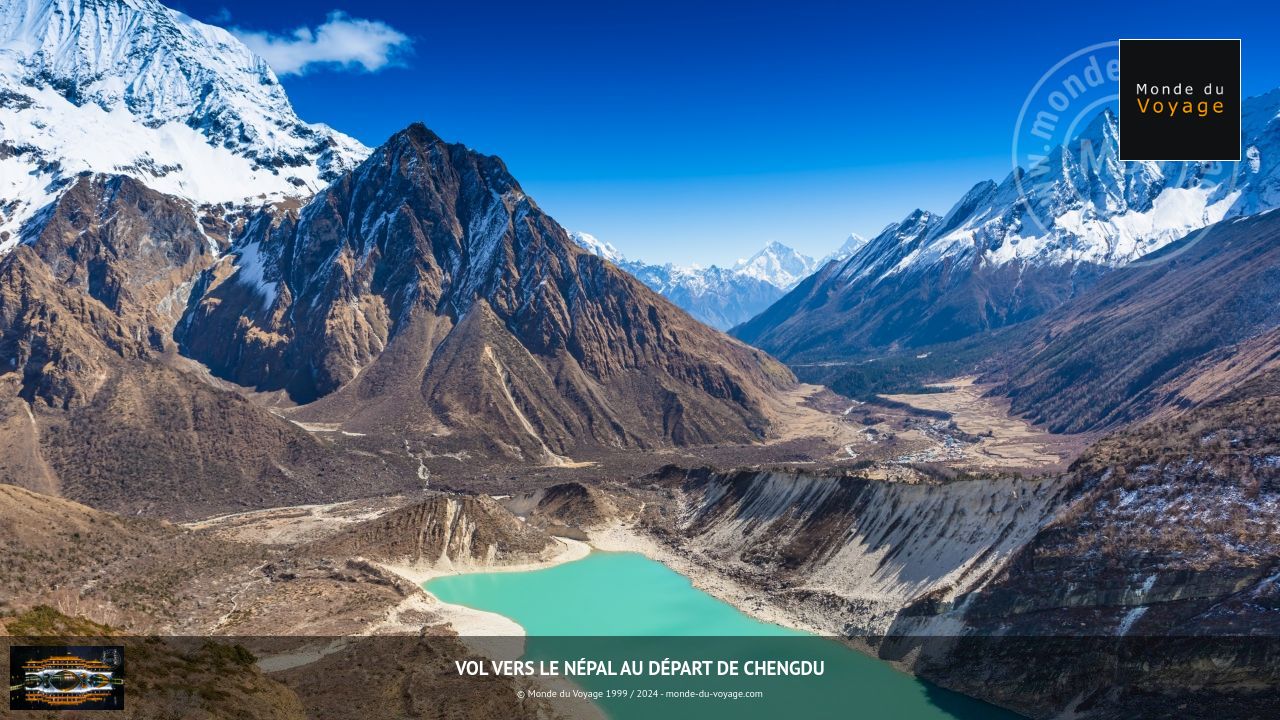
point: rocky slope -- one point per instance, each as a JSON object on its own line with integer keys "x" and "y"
{"x": 1170, "y": 332}
{"x": 132, "y": 87}
{"x": 443, "y": 532}
{"x": 1142, "y": 582}
{"x": 103, "y": 278}
{"x": 216, "y": 627}
{"x": 1010, "y": 251}
{"x": 1159, "y": 576}
{"x": 425, "y": 292}
{"x": 204, "y": 680}
{"x": 96, "y": 408}
{"x": 141, "y": 565}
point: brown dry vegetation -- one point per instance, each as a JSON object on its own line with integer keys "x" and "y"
{"x": 1141, "y": 340}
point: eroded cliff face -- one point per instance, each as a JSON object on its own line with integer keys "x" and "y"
{"x": 849, "y": 553}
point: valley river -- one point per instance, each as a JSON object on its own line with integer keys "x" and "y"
{"x": 625, "y": 607}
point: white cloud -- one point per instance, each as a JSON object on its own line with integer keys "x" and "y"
{"x": 341, "y": 41}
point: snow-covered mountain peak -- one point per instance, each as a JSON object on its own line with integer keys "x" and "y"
{"x": 113, "y": 52}
{"x": 132, "y": 87}
{"x": 852, "y": 244}
{"x": 1101, "y": 126}
{"x": 163, "y": 67}
{"x": 598, "y": 247}
{"x": 778, "y": 265}
{"x": 1080, "y": 203}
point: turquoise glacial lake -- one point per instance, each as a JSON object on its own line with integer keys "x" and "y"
{"x": 626, "y": 607}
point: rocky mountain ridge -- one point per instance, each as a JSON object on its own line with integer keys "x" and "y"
{"x": 429, "y": 258}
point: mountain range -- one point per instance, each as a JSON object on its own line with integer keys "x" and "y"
{"x": 428, "y": 286}
{"x": 214, "y": 313}
{"x": 416, "y": 291}
{"x": 192, "y": 347}
{"x": 723, "y": 297}
{"x": 1010, "y": 251}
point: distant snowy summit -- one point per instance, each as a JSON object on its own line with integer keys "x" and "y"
{"x": 777, "y": 265}
{"x": 131, "y": 87}
{"x": 723, "y": 297}
{"x": 784, "y": 267}
{"x": 852, "y": 244}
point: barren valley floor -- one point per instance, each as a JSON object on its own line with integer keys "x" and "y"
{"x": 854, "y": 520}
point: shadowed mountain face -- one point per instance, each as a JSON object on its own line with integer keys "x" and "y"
{"x": 878, "y": 299}
{"x": 426, "y": 292}
{"x": 1187, "y": 325}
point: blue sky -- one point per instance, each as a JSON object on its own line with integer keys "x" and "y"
{"x": 686, "y": 132}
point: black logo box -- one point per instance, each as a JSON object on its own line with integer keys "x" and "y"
{"x": 1189, "y": 65}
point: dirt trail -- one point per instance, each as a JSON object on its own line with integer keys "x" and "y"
{"x": 958, "y": 426}
{"x": 1002, "y": 440}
